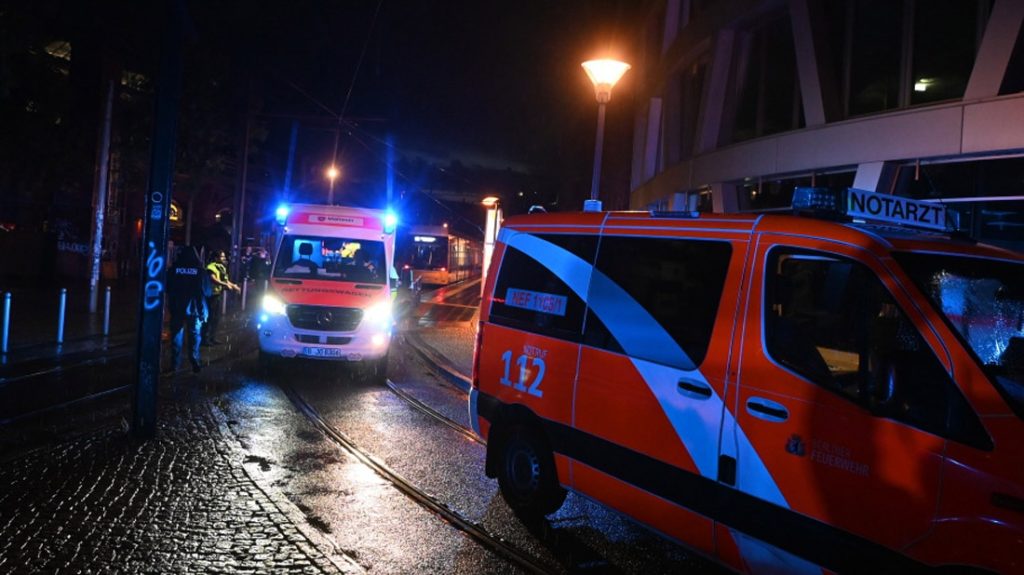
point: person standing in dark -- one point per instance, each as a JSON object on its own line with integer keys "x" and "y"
{"x": 188, "y": 287}
{"x": 217, "y": 271}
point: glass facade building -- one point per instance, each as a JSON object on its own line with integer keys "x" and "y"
{"x": 740, "y": 101}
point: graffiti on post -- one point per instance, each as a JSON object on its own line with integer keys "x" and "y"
{"x": 154, "y": 286}
{"x": 157, "y": 210}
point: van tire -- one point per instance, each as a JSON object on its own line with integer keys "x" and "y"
{"x": 526, "y": 473}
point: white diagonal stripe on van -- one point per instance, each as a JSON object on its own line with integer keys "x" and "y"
{"x": 636, "y": 330}
{"x": 695, "y": 420}
{"x": 696, "y": 428}
{"x": 569, "y": 267}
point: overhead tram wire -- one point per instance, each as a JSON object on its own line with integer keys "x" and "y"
{"x": 356, "y": 127}
{"x": 359, "y": 63}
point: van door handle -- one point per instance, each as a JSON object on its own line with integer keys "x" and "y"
{"x": 694, "y": 389}
{"x": 766, "y": 409}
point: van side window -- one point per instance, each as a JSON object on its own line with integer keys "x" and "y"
{"x": 528, "y": 295}
{"x": 678, "y": 283}
{"x": 831, "y": 320}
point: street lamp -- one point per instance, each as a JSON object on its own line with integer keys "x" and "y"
{"x": 332, "y": 174}
{"x": 604, "y": 74}
{"x": 493, "y": 222}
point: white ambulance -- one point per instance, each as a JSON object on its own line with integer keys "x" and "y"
{"x": 330, "y": 295}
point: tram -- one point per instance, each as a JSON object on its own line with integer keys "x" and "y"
{"x": 436, "y": 255}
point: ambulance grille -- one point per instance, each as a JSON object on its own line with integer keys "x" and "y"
{"x": 323, "y": 318}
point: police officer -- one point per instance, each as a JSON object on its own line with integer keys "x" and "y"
{"x": 187, "y": 290}
{"x": 217, "y": 271}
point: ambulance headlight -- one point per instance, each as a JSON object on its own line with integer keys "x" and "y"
{"x": 379, "y": 314}
{"x": 273, "y": 305}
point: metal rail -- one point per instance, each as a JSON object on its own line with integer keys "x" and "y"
{"x": 433, "y": 413}
{"x": 474, "y": 530}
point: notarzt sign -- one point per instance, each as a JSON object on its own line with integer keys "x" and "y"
{"x": 873, "y": 206}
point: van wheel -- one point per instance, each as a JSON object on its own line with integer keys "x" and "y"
{"x": 527, "y": 475}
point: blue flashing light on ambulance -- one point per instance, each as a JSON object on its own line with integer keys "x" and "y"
{"x": 783, "y": 394}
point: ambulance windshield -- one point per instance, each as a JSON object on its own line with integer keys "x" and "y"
{"x": 331, "y": 259}
{"x": 983, "y": 300}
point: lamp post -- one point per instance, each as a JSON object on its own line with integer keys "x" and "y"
{"x": 493, "y": 222}
{"x": 332, "y": 174}
{"x": 604, "y": 74}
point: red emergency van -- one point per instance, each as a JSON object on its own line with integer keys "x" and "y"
{"x": 783, "y": 394}
{"x": 331, "y": 286}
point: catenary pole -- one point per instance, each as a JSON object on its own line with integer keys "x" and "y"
{"x": 158, "y": 199}
{"x": 99, "y": 195}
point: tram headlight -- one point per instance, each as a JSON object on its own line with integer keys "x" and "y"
{"x": 273, "y": 305}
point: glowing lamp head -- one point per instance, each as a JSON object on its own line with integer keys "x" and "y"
{"x": 281, "y": 214}
{"x": 604, "y": 74}
{"x": 390, "y": 222}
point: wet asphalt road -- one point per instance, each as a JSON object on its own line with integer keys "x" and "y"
{"x": 349, "y": 511}
{"x": 370, "y": 521}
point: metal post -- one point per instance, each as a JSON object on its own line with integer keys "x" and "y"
{"x": 598, "y": 145}
{"x": 7, "y": 322}
{"x": 245, "y": 291}
{"x": 99, "y": 196}
{"x": 106, "y": 313}
{"x": 154, "y": 232}
{"x": 60, "y": 315}
{"x": 266, "y": 284}
{"x": 223, "y": 303}
{"x": 334, "y": 162}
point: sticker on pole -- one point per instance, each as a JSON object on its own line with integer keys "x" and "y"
{"x": 536, "y": 301}
{"x": 903, "y": 211}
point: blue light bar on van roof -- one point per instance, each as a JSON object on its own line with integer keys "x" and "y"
{"x": 820, "y": 200}
{"x": 281, "y": 214}
{"x": 854, "y": 203}
{"x": 674, "y": 214}
{"x": 390, "y": 222}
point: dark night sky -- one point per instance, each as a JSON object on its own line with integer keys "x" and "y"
{"x": 485, "y": 83}
{"x": 454, "y": 83}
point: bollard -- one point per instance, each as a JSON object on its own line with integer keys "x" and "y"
{"x": 245, "y": 291}
{"x": 266, "y": 284}
{"x": 106, "y": 313}
{"x": 60, "y": 315}
{"x": 411, "y": 282}
{"x": 224, "y": 303}
{"x": 7, "y": 322}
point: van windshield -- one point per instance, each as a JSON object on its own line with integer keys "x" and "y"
{"x": 330, "y": 259}
{"x": 983, "y": 300}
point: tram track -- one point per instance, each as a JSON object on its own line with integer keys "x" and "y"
{"x": 472, "y": 529}
{"x": 433, "y": 413}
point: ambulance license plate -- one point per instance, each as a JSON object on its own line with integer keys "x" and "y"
{"x": 321, "y": 352}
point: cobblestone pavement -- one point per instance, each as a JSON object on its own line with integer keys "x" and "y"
{"x": 181, "y": 503}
